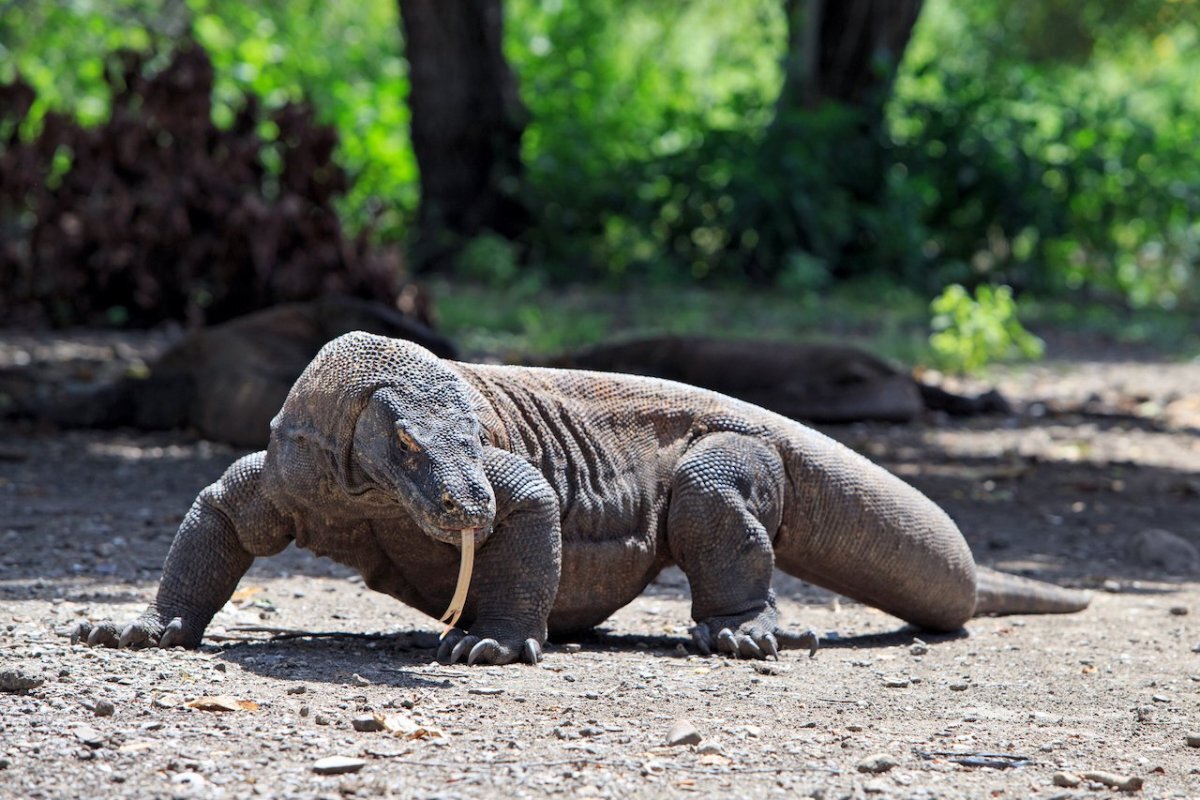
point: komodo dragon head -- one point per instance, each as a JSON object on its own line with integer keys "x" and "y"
{"x": 396, "y": 426}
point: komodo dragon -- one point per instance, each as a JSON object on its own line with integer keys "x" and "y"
{"x": 577, "y": 488}
{"x": 229, "y": 380}
{"x": 812, "y": 381}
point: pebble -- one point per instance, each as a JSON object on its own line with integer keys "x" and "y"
{"x": 321, "y": 719}
{"x": 1067, "y": 780}
{"x": 14, "y": 680}
{"x": 898, "y": 682}
{"x": 367, "y": 723}
{"x": 683, "y": 732}
{"x": 710, "y": 749}
{"x": 875, "y": 764}
{"x": 918, "y": 648}
{"x": 573, "y": 647}
{"x": 300, "y": 689}
{"x": 1126, "y": 783}
{"x": 1193, "y": 739}
{"x": 359, "y": 680}
{"x": 486, "y": 691}
{"x": 959, "y": 687}
{"x": 103, "y": 708}
{"x": 89, "y": 736}
{"x": 1160, "y": 698}
{"x": 338, "y": 765}
{"x": 1179, "y": 611}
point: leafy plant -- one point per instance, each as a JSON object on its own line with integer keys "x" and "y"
{"x": 971, "y": 332}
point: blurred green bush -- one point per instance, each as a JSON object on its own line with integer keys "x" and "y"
{"x": 1044, "y": 144}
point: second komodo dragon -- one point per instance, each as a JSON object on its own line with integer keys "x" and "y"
{"x": 577, "y": 488}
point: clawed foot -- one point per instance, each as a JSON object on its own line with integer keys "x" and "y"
{"x": 483, "y": 650}
{"x": 148, "y": 630}
{"x": 751, "y": 639}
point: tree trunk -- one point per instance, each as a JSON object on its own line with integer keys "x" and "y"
{"x": 467, "y": 121}
{"x": 844, "y": 50}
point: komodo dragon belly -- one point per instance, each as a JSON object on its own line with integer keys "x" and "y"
{"x": 395, "y": 558}
{"x": 599, "y": 577}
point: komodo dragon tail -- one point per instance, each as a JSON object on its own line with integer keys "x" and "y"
{"x": 857, "y": 529}
{"x": 1002, "y": 593}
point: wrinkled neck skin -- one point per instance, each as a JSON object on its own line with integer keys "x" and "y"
{"x": 423, "y": 451}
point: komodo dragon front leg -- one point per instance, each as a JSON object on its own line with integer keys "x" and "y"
{"x": 517, "y": 569}
{"x": 726, "y": 505}
{"x": 229, "y": 524}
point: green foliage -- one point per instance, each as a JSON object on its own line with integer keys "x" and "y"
{"x": 1044, "y": 144}
{"x": 1057, "y": 174}
{"x": 971, "y": 332}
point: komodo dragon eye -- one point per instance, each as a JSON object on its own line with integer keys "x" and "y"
{"x": 406, "y": 442}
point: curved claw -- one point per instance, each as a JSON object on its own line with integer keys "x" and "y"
{"x": 702, "y": 639}
{"x": 531, "y": 653}
{"x": 448, "y": 643}
{"x": 770, "y": 646}
{"x": 103, "y": 635}
{"x": 810, "y": 640}
{"x": 748, "y": 648}
{"x": 465, "y": 647}
{"x": 172, "y": 634}
{"x": 79, "y": 632}
{"x": 488, "y": 651}
{"x": 727, "y": 643}
{"x": 134, "y": 635}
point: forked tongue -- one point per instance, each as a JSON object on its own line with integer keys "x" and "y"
{"x": 464, "y": 581}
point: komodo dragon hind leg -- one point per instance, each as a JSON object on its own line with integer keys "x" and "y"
{"x": 726, "y": 500}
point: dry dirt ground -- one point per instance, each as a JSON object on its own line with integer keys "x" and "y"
{"x": 1101, "y": 449}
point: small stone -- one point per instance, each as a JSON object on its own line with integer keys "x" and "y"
{"x": 304, "y": 711}
{"x": 1160, "y": 698}
{"x": 683, "y": 732}
{"x": 875, "y": 764}
{"x": 1193, "y": 739}
{"x": 338, "y": 765}
{"x": 321, "y": 719}
{"x": 359, "y": 680}
{"x": 918, "y": 648}
{"x": 1067, "y": 780}
{"x": 1111, "y": 586}
{"x": 486, "y": 691}
{"x": 768, "y": 667}
{"x": 15, "y": 680}
{"x": 368, "y": 723}
{"x": 1179, "y": 611}
{"x": 959, "y": 687}
{"x": 89, "y": 736}
{"x": 1125, "y": 783}
{"x": 299, "y": 689}
{"x": 103, "y": 708}
{"x": 897, "y": 682}
{"x": 710, "y": 749}
{"x": 572, "y": 647}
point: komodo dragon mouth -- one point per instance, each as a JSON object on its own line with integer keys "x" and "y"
{"x": 465, "y": 567}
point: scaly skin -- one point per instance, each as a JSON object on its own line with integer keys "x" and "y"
{"x": 581, "y": 487}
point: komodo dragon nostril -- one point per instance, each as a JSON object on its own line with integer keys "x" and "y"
{"x": 448, "y": 503}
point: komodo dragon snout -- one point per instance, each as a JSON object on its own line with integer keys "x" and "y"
{"x": 432, "y": 465}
